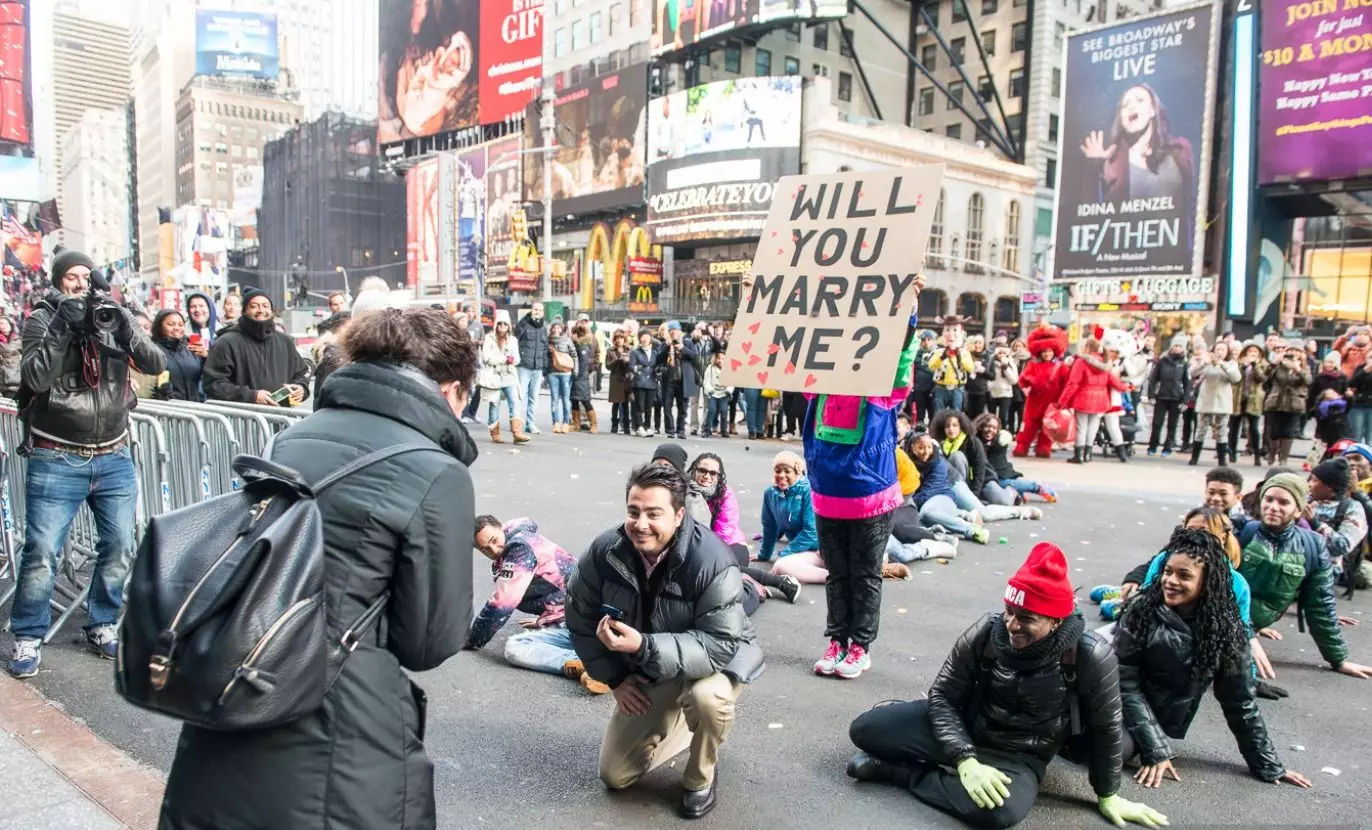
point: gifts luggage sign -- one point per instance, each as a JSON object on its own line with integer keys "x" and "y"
{"x": 832, "y": 287}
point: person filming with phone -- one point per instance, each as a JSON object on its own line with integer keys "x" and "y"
{"x": 253, "y": 362}
{"x": 74, "y": 402}
{"x": 655, "y": 610}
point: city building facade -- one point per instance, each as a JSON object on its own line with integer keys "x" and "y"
{"x": 95, "y": 184}
{"x": 220, "y": 127}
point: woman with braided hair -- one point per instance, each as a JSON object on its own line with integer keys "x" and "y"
{"x": 1180, "y": 635}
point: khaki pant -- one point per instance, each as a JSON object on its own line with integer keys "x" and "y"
{"x": 696, "y": 714}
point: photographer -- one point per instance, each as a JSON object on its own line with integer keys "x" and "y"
{"x": 75, "y": 400}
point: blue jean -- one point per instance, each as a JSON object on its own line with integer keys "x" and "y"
{"x": 560, "y": 392}
{"x": 756, "y": 411}
{"x": 545, "y": 649}
{"x": 716, "y": 414}
{"x": 56, "y": 486}
{"x": 491, "y": 397}
{"x": 1003, "y": 491}
{"x": 945, "y": 398}
{"x": 1360, "y": 423}
{"x": 529, "y": 382}
{"x": 940, "y": 510}
{"x": 965, "y": 500}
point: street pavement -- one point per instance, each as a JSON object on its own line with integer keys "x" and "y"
{"x": 513, "y": 748}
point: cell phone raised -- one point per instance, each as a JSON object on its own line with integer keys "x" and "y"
{"x": 612, "y": 612}
{"x": 282, "y": 395}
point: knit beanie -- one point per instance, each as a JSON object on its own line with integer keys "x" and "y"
{"x": 1041, "y": 584}
{"x": 1179, "y": 341}
{"x": 672, "y": 453}
{"x": 65, "y": 261}
{"x": 1291, "y": 483}
{"x": 1335, "y": 475}
{"x": 254, "y": 292}
{"x": 1359, "y": 449}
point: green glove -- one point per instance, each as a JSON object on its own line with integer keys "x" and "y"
{"x": 986, "y": 785}
{"x": 1120, "y": 810}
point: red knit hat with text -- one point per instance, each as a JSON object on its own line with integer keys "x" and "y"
{"x": 1041, "y": 584}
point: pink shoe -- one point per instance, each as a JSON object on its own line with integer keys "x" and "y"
{"x": 1048, "y": 494}
{"x": 825, "y": 665}
{"x": 854, "y": 663}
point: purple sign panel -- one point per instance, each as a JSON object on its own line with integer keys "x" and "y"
{"x": 1315, "y": 121}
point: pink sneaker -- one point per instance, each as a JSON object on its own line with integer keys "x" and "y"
{"x": 1047, "y": 494}
{"x": 831, "y": 658}
{"x": 854, "y": 663}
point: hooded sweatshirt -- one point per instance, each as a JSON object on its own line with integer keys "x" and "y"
{"x": 531, "y": 575}
{"x": 791, "y": 514}
{"x": 251, "y": 357}
{"x": 211, "y": 329}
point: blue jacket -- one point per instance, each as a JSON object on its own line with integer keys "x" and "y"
{"x": 933, "y": 479}
{"x": 1241, "y": 592}
{"x": 791, "y": 515}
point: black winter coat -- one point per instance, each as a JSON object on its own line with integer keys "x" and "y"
{"x": 1321, "y": 382}
{"x": 1361, "y": 384}
{"x": 183, "y": 372}
{"x": 242, "y": 362}
{"x": 1027, "y": 712}
{"x": 685, "y": 366}
{"x": 1170, "y": 380}
{"x": 998, "y": 458}
{"x": 405, "y": 525}
{"x": 532, "y": 337}
{"x": 1161, "y": 697}
{"x": 586, "y": 363}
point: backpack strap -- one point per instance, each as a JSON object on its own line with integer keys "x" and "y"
{"x": 1068, "y": 663}
{"x": 359, "y": 464}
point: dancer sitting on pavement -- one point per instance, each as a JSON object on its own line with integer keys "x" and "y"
{"x": 962, "y": 493}
{"x": 655, "y": 612}
{"x": 1041, "y": 379}
{"x": 907, "y": 531}
{"x": 1017, "y": 686}
{"x": 934, "y": 498}
{"x": 1224, "y": 492}
{"x": 966, "y": 457}
{"x": 788, "y": 514}
{"x": 1007, "y": 486}
{"x": 1181, "y": 635}
{"x": 531, "y": 574}
{"x": 1336, "y": 515}
{"x": 1359, "y": 458}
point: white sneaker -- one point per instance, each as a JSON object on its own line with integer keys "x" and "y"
{"x": 941, "y": 550}
{"x": 533, "y": 430}
{"x": 28, "y": 654}
{"x": 1030, "y": 513}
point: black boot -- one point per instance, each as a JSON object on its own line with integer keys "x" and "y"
{"x": 1196, "y": 447}
{"x": 1122, "y": 453}
{"x": 1086, "y": 454}
{"x": 864, "y": 767}
{"x": 1078, "y": 454}
{"x": 1222, "y": 450}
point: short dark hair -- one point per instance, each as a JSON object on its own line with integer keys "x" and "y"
{"x": 337, "y": 294}
{"x": 425, "y": 338}
{"x": 484, "y": 521}
{"x": 659, "y": 475}
{"x": 1226, "y": 475}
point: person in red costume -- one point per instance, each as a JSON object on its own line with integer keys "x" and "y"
{"x": 1042, "y": 381}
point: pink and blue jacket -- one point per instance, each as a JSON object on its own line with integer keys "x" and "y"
{"x": 850, "y": 448}
{"x": 531, "y": 575}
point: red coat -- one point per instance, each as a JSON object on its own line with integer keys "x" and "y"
{"x": 1088, "y": 387}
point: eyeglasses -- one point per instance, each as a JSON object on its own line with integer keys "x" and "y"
{"x": 703, "y": 473}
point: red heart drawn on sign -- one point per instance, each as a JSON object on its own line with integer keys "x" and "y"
{"x": 810, "y": 380}
{"x": 780, "y": 251}
{"x": 754, "y": 327}
{"x": 734, "y": 364}
{"x": 790, "y": 368}
{"x": 754, "y": 360}
{"x": 774, "y": 233}
{"x": 747, "y": 346}
{"x": 773, "y": 348}
{"x": 762, "y": 378}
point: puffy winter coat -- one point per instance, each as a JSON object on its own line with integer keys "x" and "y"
{"x": 1215, "y": 396}
{"x": 403, "y": 525}
{"x": 1160, "y": 696}
{"x": 1324, "y": 380}
{"x": 789, "y": 514}
{"x": 533, "y": 343}
{"x": 998, "y": 456}
{"x": 643, "y": 368}
{"x": 690, "y": 611}
{"x": 1361, "y": 384}
{"x": 1027, "y": 711}
{"x": 1289, "y": 387}
{"x": 1293, "y": 566}
{"x": 497, "y": 370}
{"x": 586, "y": 360}
{"x": 933, "y": 478}
{"x": 252, "y": 357}
{"x": 531, "y": 575}
{"x": 1088, "y": 386}
{"x": 183, "y": 372}
{"x": 1004, "y": 376}
{"x": 725, "y": 519}
{"x": 1170, "y": 379}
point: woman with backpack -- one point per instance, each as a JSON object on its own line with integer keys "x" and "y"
{"x": 400, "y": 528}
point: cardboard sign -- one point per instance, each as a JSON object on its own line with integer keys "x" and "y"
{"x": 831, "y": 292}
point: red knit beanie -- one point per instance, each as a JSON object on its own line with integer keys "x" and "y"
{"x": 1041, "y": 584}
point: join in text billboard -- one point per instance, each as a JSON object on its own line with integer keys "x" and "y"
{"x": 1135, "y": 159}
{"x": 1315, "y": 111}
{"x": 715, "y": 153}
{"x": 601, "y": 132}
{"x": 236, "y": 44}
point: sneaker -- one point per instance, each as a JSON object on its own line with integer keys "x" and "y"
{"x": 790, "y": 589}
{"x": 103, "y": 640}
{"x": 854, "y": 663}
{"x": 895, "y": 570}
{"x": 1110, "y": 609}
{"x": 1101, "y": 593}
{"x": 533, "y": 430}
{"x": 831, "y": 658}
{"x": 980, "y": 535}
{"x": 1030, "y": 513}
{"x": 27, "y": 655}
{"x": 1048, "y": 494}
{"x": 1165, "y": 453}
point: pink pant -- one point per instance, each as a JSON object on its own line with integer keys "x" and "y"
{"x": 805, "y": 568}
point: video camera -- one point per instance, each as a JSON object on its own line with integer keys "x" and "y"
{"x": 102, "y": 314}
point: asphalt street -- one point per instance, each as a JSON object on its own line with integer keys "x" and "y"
{"x": 514, "y": 748}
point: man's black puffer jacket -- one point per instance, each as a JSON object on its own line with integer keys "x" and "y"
{"x": 1028, "y": 712}
{"x": 1161, "y": 697}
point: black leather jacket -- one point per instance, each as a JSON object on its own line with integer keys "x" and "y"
{"x": 1170, "y": 380}
{"x": 1028, "y": 713}
{"x": 58, "y": 402}
{"x": 1161, "y": 697}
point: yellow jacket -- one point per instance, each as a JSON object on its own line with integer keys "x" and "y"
{"x": 951, "y": 371}
{"x": 906, "y": 473}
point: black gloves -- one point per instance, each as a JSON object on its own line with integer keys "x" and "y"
{"x": 1270, "y": 691}
{"x": 72, "y": 311}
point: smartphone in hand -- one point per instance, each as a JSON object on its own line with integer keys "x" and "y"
{"x": 282, "y": 395}
{"x": 612, "y": 612}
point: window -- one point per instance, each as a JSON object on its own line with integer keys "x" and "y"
{"x": 1059, "y": 32}
{"x": 976, "y": 227}
{"x": 1013, "y": 123}
{"x": 616, "y": 18}
{"x": 1007, "y": 314}
{"x": 733, "y": 59}
{"x": 1053, "y": 128}
{"x": 236, "y": 150}
{"x": 578, "y": 35}
{"x": 959, "y": 49}
{"x": 953, "y": 131}
{"x": 845, "y": 86}
{"x": 1012, "y": 216}
{"x": 222, "y": 149}
{"x": 560, "y": 7}
{"x": 252, "y": 152}
{"x": 926, "y": 101}
{"x": 793, "y": 33}
{"x": 792, "y": 65}
{"x": 985, "y": 88}
{"x": 822, "y": 36}
{"x": 819, "y": 70}
{"x": 843, "y": 48}
{"x": 635, "y": 11}
{"x": 959, "y": 11}
{"x": 1051, "y": 174}
{"x": 1057, "y": 82}
{"x": 1019, "y": 37}
{"x": 1016, "y": 83}
{"x": 935, "y": 254}
{"x": 929, "y": 57}
{"x": 933, "y": 303}
{"x": 1019, "y": 4}
{"x": 762, "y": 65}
{"x": 973, "y": 307}
{"x": 954, "y": 95}
{"x": 597, "y": 27}
{"x": 988, "y": 42}
{"x": 989, "y": 6}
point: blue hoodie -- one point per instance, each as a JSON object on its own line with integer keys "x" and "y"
{"x": 790, "y": 514}
{"x": 208, "y": 331}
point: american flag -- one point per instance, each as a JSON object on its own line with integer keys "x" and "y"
{"x": 12, "y": 227}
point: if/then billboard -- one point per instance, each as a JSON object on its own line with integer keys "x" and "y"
{"x": 236, "y": 44}
{"x": 715, "y": 153}
{"x": 1131, "y": 188}
{"x": 1315, "y": 110}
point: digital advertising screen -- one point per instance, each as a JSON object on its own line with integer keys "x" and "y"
{"x": 504, "y": 164}
{"x": 236, "y": 44}
{"x": 511, "y": 57}
{"x": 429, "y": 78}
{"x": 16, "y": 85}
{"x": 678, "y": 24}
{"x": 715, "y": 153}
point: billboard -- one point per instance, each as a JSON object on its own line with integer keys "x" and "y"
{"x": 247, "y": 198}
{"x": 503, "y": 167}
{"x": 715, "y": 153}
{"x": 511, "y": 57}
{"x": 16, "y": 88}
{"x": 678, "y": 24}
{"x": 601, "y": 133}
{"x": 1314, "y": 123}
{"x": 1131, "y": 189}
{"x": 471, "y": 216}
{"x": 430, "y": 68}
{"x": 236, "y": 44}
{"x": 421, "y": 224}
